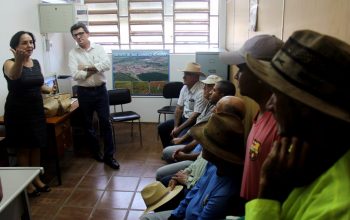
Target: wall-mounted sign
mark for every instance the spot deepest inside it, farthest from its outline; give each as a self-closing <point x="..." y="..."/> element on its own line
<point x="144" y="72"/>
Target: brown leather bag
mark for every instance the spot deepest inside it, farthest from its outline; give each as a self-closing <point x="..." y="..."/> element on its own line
<point x="57" y="105"/>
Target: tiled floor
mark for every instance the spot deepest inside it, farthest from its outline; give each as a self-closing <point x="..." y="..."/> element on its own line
<point x="91" y="190"/>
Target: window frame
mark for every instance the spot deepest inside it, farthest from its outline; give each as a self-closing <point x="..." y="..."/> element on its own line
<point x="168" y="40"/>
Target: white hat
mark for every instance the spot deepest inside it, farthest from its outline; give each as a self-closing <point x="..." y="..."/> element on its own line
<point x="211" y="79"/>
<point x="156" y="194"/>
<point x="262" y="47"/>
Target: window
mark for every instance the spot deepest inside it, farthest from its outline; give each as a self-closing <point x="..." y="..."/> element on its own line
<point x="176" y="25"/>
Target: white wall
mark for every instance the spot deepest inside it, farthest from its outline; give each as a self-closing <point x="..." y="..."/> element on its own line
<point x="52" y="50"/>
<point x="17" y="15"/>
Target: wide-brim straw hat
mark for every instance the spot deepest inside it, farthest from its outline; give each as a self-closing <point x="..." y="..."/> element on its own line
<point x="313" y="69"/>
<point x="193" y="68"/>
<point x="156" y="194"/>
<point x="222" y="136"/>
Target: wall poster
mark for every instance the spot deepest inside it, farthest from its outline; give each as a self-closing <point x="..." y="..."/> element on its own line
<point x="144" y="72"/>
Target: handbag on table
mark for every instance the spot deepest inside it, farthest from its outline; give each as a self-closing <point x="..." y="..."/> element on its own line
<point x="57" y="105"/>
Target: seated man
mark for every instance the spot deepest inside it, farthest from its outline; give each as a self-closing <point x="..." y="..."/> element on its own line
<point x="191" y="174"/>
<point x="189" y="106"/>
<point x="223" y="147"/>
<point x="212" y="93"/>
<point x="264" y="129"/>
<point x="221" y="89"/>
<point x="306" y="175"/>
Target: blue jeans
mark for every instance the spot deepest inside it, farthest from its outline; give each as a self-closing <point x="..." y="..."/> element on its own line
<point x="164" y="130"/>
<point x="95" y="99"/>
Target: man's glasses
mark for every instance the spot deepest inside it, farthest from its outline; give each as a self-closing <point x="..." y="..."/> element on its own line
<point x="79" y="34"/>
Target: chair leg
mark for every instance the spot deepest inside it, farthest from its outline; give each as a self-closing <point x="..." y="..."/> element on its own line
<point x="140" y="132"/>
<point x="132" y="128"/>
<point x="158" y="124"/>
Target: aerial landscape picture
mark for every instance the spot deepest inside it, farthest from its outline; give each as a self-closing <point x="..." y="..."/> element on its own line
<point x="144" y="72"/>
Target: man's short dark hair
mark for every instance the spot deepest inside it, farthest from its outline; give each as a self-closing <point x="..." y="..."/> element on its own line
<point x="77" y="26"/>
<point x="14" y="42"/>
<point x="226" y="87"/>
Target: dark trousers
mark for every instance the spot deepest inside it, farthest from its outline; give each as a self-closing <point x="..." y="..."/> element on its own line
<point x="95" y="99"/>
<point x="164" y="130"/>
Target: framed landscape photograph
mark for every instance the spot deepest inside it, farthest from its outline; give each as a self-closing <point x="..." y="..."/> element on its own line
<point x="144" y="72"/>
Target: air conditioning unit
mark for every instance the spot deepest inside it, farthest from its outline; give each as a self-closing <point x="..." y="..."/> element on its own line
<point x="58" y="18"/>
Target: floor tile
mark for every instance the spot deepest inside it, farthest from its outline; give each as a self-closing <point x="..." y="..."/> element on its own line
<point x="133" y="215"/>
<point x="92" y="190"/>
<point x="123" y="183"/>
<point x="71" y="180"/>
<point x="84" y="198"/>
<point x="116" y="214"/>
<point x="44" y="212"/>
<point x="116" y="199"/>
<point x="138" y="202"/>
<point x="145" y="181"/>
<point x="69" y="213"/>
<point x="100" y="169"/>
<point x="56" y="197"/>
<point x="94" y="182"/>
<point x="150" y="170"/>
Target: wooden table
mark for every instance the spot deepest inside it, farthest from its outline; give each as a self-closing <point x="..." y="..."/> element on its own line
<point x="14" y="204"/>
<point x="59" y="135"/>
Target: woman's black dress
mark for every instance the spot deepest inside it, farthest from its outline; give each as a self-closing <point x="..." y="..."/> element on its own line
<point x="24" y="112"/>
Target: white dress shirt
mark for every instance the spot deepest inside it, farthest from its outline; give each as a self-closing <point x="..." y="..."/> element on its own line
<point x="94" y="56"/>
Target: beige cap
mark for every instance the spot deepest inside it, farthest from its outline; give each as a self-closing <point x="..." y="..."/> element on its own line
<point x="211" y="79"/>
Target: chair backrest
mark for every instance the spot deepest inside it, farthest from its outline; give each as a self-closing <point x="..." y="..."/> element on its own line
<point x="172" y="90"/>
<point x="119" y="96"/>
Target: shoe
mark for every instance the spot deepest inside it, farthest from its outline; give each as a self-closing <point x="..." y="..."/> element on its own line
<point x="45" y="188"/>
<point x="98" y="157"/>
<point x="112" y="163"/>
<point x="33" y="194"/>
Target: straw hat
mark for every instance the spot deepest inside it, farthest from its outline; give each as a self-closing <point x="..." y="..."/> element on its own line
<point x="211" y="79"/>
<point x="193" y="68"/>
<point x="222" y="136"/>
<point x="262" y="47"/>
<point x="156" y="194"/>
<point x="312" y="68"/>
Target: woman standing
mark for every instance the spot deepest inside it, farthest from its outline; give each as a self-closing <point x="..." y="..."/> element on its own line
<point x="24" y="113"/>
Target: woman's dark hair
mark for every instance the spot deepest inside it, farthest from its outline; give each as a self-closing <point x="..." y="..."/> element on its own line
<point x="15" y="39"/>
<point x="77" y="26"/>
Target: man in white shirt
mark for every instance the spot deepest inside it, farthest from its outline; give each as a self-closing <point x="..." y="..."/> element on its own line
<point x="87" y="63"/>
<point x="189" y="106"/>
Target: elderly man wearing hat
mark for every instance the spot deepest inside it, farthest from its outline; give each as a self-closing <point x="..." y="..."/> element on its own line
<point x="209" y="84"/>
<point x="214" y="89"/>
<point x="181" y="156"/>
<point x="307" y="173"/>
<point x="223" y="147"/>
<point x="264" y="128"/>
<point x="189" y="106"/>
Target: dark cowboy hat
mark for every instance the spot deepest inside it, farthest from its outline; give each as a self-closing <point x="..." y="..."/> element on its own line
<point x="222" y="136"/>
<point x="312" y="68"/>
